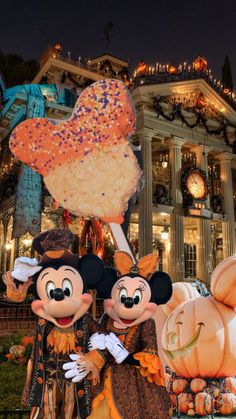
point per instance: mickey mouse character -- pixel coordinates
(60, 285)
(133, 383)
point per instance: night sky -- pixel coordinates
(159, 30)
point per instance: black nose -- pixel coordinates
(58, 294)
(129, 302)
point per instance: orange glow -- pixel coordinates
(142, 68)
(200, 63)
(172, 69)
(201, 102)
(57, 47)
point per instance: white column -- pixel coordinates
(228, 227)
(145, 197)
(204, 254)
(176, 260)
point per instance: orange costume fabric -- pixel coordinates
(127, 391)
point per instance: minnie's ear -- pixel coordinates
(91, 268)
(161, 287)
(108, 281)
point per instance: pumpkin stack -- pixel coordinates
(198, 342)
(203, 397)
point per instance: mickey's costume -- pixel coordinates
(61, 302)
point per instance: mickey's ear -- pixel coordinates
(91, 268)
(161, 287)
(105, 286)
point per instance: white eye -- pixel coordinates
(50, 287)
(122, 294)
(137, 296)
(67, 287)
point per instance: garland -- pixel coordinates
(200, 119)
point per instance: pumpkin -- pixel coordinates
(182, 291)
(204, 404)
(223, 282)
(230, 384)
(200, 63)
(17, 351)
(199, 339)
(191, 412)
(142, 68)
(184, 399)
(172, 69)
(179, 385)
(228, 406)
(197, 385)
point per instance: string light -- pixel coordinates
(8, 246)
(200, 65)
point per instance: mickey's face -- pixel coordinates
(61, 299)
(130, 301)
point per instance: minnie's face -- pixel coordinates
(130, 301)
(61, 299)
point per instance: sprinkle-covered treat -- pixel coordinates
(86, 161)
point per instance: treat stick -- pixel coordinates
(120, 239)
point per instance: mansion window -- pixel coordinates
(190, 260)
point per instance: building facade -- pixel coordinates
(186, 125)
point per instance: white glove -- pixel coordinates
(75, 371)
(25, 268)
(97, 341)
(116, 348)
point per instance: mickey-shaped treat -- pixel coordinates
(60, 285)
(86, 161)
(133, 385)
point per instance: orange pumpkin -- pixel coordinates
(182, 291)
(172, 69)
(229, 404)
(223, 282)
(142, 68)
(17, 351)
(191, 412)
(199, 339)
(200, 63)
(179, 385)
(184, 400)
(197, 385)
(230, 384)
(204, 404)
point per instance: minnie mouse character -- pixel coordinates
(60, 285)
(133, 383)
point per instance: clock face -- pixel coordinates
(196, 185)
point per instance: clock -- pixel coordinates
(196, 184)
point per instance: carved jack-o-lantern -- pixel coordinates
(172, 69)
(200, 63)
(182, 291)
(199, 338)
(142, 68)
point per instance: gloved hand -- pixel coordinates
(25, 268)
(116, 348)
(97, 341)
(75, 370)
